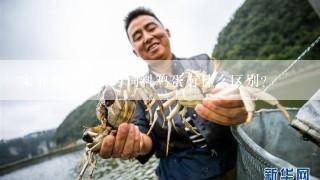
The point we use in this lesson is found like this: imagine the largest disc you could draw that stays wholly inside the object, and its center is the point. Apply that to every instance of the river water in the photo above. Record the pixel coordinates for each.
(67, 167)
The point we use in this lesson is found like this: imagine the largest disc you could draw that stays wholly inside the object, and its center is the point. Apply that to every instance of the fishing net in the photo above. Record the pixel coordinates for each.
(270, 142)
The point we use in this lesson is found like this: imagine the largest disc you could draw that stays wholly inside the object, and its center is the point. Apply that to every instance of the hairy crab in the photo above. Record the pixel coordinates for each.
(115, 106)
(198, 84)
(248, 95)
(192, 88)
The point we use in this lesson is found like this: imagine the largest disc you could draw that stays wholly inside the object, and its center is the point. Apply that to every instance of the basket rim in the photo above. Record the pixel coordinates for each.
(257, 151)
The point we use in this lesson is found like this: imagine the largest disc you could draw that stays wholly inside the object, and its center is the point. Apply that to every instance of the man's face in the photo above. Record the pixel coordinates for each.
(149, 39)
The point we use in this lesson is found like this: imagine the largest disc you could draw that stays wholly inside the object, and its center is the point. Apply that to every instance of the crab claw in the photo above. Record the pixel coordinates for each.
(88, 136)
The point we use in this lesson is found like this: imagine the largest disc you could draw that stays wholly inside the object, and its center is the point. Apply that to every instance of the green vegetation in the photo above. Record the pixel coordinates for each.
(270, 29)
(72, 127)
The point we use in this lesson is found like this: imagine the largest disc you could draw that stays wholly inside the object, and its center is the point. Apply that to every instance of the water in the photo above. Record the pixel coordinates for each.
(66, 167)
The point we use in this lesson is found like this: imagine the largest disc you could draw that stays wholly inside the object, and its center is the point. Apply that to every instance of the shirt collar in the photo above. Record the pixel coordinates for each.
(175, 65)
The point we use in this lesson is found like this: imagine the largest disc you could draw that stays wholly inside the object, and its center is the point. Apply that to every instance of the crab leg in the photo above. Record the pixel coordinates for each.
(183, 115)
(257, 93)
(90, 157)
(154, 122)
(158, 101)
(168, 137)
(85, 166)
(131, 111)
(168, 103)
(167, 95)
(117, 103)
(152, 102)
(248, 103)
(174, 112)
(117, 92)
(96, 147)
(170, 86)
(82, 162)
(227, 91)
(126, 97)
(91, 172)
(144, 97)
(212, 78)
(110, 109)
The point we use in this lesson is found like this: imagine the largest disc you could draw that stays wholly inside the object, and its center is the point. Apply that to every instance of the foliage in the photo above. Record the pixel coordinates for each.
(269, 29)
(72, 127)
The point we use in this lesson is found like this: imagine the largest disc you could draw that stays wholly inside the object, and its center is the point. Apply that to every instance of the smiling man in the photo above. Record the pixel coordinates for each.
(210, 155)
(150, 41)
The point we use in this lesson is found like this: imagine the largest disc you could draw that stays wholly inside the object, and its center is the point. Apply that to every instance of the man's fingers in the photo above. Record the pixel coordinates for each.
(206, 113)
(136, 148)
(125, 145)
(228, 112)
(121, 137)
(136, 145)
(218, 87)
(222, 119)
(129, 143)
(230, 101)
(107, 147)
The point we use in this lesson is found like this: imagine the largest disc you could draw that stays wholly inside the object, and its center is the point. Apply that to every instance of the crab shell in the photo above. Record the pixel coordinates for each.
(112, 110)
(122, 112)
(189, 96)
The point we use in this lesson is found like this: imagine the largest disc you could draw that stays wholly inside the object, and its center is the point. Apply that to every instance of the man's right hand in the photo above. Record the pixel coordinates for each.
(127, 144)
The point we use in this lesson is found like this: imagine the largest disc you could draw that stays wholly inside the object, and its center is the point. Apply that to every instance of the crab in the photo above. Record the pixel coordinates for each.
(196, 85)
(115, 106)
(193, 87)
(248, 96)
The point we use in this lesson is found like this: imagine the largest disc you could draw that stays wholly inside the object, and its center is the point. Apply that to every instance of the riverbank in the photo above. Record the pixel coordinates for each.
(36, 159)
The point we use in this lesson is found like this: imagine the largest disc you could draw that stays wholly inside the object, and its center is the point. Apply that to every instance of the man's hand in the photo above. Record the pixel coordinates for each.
(228, 110)
(128, 143)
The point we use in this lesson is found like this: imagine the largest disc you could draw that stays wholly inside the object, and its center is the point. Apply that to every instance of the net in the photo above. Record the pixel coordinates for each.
(270, 142)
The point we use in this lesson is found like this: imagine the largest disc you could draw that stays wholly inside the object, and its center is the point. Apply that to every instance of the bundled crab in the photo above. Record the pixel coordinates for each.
(198, 84)
(117, 105)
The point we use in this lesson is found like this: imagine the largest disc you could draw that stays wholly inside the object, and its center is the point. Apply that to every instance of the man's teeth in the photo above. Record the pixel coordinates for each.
(153, 46)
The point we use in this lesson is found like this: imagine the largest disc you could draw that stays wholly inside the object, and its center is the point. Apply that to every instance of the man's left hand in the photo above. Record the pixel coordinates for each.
(228, 110)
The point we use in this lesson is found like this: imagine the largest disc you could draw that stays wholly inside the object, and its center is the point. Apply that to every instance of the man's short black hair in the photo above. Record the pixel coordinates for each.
(138, 12)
